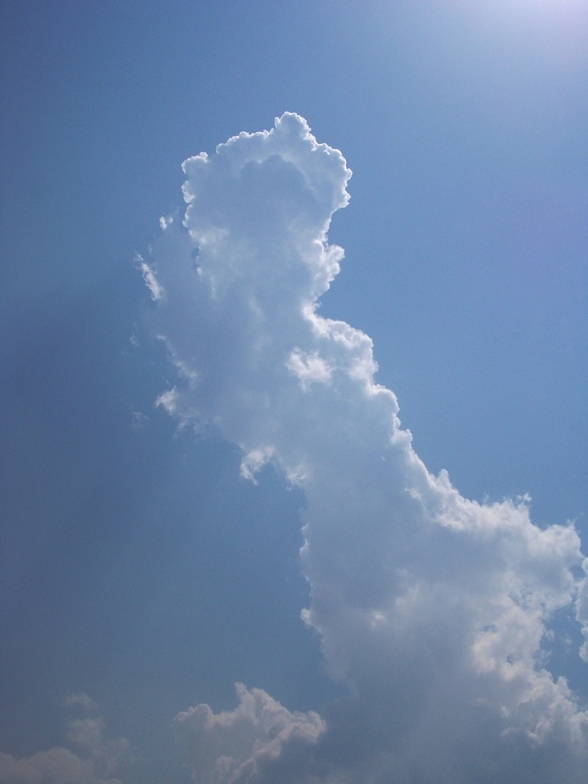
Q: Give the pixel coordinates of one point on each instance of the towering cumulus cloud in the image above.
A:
(433, 609)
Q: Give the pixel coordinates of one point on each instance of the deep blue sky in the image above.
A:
(135, 557)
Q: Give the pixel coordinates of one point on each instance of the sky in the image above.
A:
(294, 369)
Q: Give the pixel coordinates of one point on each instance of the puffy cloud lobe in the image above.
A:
(260, 741)
(433, 608)
(97, 760)
(582, 610)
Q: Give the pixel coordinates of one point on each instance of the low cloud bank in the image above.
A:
(95, 761)
(434, 609)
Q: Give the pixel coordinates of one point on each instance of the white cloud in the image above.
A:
(95, 763)
(80, 700)
(308, 368)
(148, 276)
(582, 610)
(258, 741)
(254, 461)
(433, 609)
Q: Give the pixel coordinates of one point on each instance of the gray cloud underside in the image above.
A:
(432, 608)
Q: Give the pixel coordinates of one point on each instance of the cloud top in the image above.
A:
(434, 609)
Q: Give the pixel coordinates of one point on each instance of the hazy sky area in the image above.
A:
(189, 395)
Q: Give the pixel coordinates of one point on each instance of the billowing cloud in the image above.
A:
(96, 760)
(259, 740)
(435, 610)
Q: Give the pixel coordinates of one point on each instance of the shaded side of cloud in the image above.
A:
(432, 608)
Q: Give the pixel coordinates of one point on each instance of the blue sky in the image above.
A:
(140, 567)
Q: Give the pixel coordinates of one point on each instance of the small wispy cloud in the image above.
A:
(150, 280)
(80, 700)
(432, 608)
